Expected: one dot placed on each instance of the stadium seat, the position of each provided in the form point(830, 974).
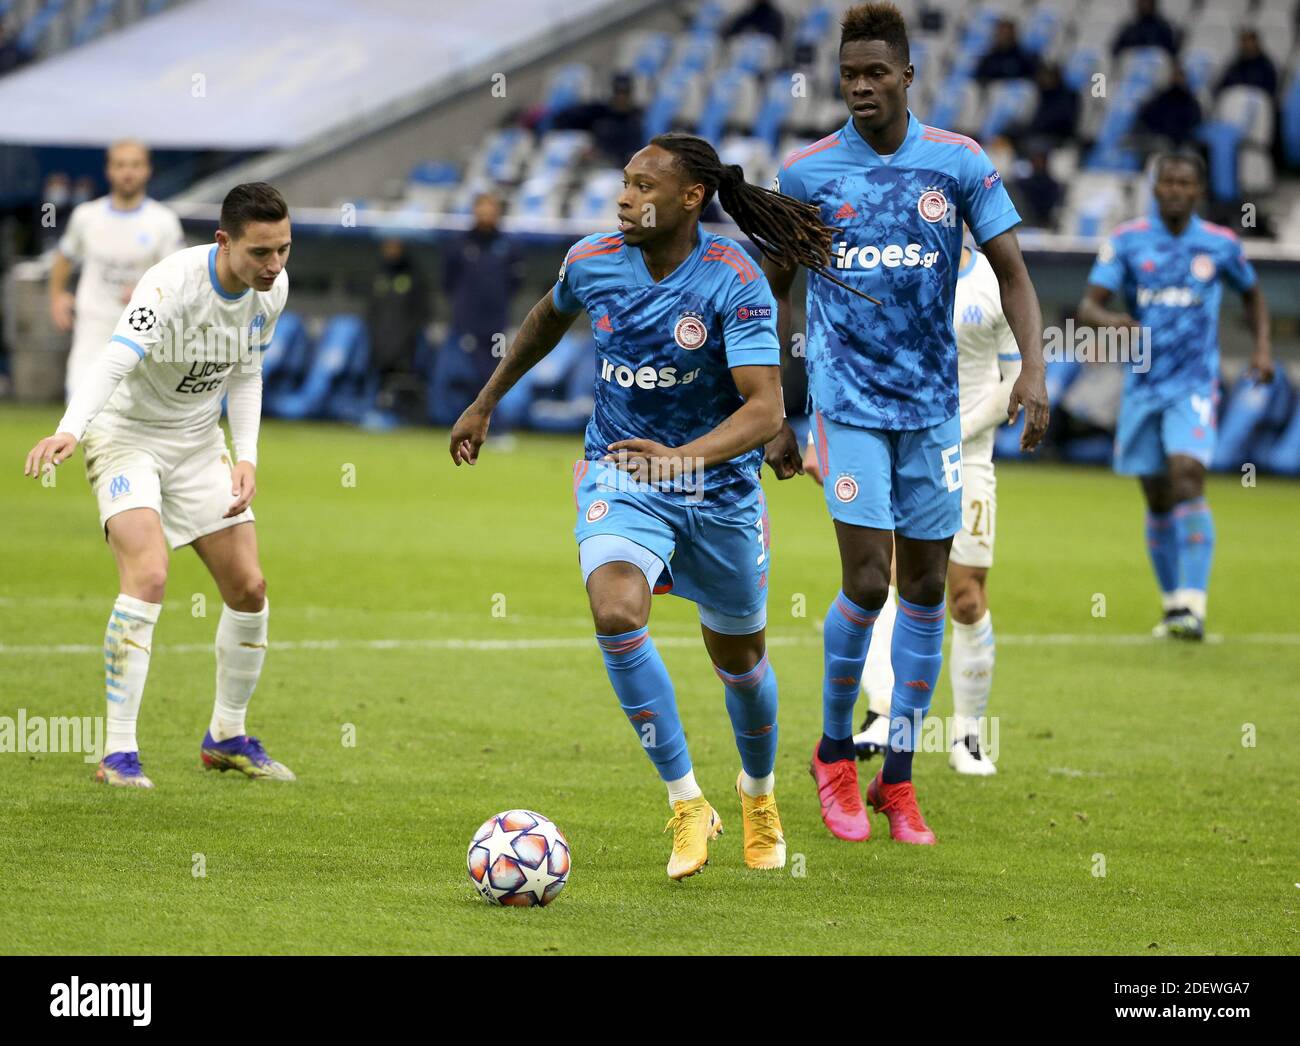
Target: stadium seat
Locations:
point(353, 395)
point(327, 369)
point(1253, 410)
point(560, 385)
point(566, 86)
point(285, 359)
point(1284, 456)
point(596, 197)
point(1010, 102)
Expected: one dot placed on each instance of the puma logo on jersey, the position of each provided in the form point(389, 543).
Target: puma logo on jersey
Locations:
point(891, 256)
point(645, 377)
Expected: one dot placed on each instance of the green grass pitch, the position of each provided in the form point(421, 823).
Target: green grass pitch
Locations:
point(1173, 767)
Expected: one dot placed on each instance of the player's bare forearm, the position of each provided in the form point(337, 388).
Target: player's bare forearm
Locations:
point(781, 280)
point(59, 273)
point(758, 420)
point(1092, 310)
point(540, 332)
point(1025, 318)
point(1256, 309)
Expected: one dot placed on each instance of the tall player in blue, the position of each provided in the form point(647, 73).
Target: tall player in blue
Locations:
point(883, 382)
point(1170, 269)
point(687, 392)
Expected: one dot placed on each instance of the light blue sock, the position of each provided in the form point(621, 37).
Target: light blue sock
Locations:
point(751, 703)
point(1162, 545)
point(846, 636)
point(1195, 529)
point(917, 654)
point(645, 691)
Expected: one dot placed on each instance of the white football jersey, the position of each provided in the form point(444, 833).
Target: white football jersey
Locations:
point(189, 333)
point(983, 337)
point(114, 249)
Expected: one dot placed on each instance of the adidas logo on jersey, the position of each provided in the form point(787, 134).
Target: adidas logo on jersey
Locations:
point(891, 256)
point(844, 212)
point(645, 377)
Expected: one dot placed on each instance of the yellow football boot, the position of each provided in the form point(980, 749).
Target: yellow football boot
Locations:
point(693, 824)
point(764, 843)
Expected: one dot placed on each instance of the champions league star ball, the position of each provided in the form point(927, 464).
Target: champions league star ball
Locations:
point(518, 858)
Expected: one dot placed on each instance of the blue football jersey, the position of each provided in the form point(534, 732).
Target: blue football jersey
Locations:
point(1173, 286)
point(664, 350)
point(899, 220)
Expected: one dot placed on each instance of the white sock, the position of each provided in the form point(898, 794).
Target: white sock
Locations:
point(1169, 601)
point(127, 642)
point(756, 786)
point(1193, 599)
point(241, 649)
point(683, 788)
point(971, 667)
point(878, 673)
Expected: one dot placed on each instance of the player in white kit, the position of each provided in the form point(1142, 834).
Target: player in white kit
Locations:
point(114, 239)
point(148, 413)
point(988, 364)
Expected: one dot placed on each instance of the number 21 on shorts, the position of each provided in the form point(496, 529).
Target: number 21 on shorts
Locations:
point(951, 458)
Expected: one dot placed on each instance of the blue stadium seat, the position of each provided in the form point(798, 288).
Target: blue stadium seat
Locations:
point(1284, 456)
point(354, 393)
point(560, 385)
point(1010, 103)
point(93, 22)
point(1254, 413)
point(29, 39)
point(772, 113)
point(1291, 122)
point(327, 370)
point(285, 359)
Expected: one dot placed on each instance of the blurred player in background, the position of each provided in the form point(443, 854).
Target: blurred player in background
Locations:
point(114, 239)
point(148, 412)
point(884, 388)
point(687, 393)
point(988, 364)
point(1170, 269)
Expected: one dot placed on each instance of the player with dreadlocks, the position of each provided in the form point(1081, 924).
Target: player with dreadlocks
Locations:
point(687, 392)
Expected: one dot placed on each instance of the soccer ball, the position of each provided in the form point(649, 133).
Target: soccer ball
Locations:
point(518, 858)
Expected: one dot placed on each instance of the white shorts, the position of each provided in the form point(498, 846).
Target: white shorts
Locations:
point(184, 479)
point(973, 545)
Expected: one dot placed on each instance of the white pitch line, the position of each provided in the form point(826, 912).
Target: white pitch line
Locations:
point(585, 642)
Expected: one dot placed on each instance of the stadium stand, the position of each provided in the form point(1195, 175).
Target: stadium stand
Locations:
point(758, 96)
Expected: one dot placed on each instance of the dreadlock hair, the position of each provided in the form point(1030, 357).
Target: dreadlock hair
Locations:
point(786, 230)
point(877, 21)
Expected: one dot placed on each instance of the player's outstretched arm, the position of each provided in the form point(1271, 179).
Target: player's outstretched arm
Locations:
point(1020, 304)
point(755, 423)
point(95, 390)
point(61, 300)
point(783, 453)
point(1093, 310)
point(1261, 360)
point(540, 332)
